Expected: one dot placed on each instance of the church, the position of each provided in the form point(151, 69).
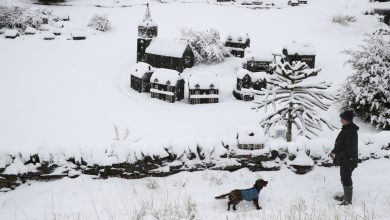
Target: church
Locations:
point(161, 53)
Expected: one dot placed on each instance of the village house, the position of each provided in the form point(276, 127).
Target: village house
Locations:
point(11, 34)
point(384, 14)
point(293, 2)
point(167, 85)
point(140, 75)
point(248, 81)
point(258, 61)
point(237, 44)
point(203, 88)
point(78, 35)
point(30, 31)
point(250, 139)
point(296, 51)
point(161, 53)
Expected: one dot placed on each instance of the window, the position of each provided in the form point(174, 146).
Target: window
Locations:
point(211, 92)
point(196, 101)
point(155, 86)
point(197, 92)
point(169, 98)
point(197, 86)
point(212, 86)
point(211, 100)
point(168, 83)
point(168, 88)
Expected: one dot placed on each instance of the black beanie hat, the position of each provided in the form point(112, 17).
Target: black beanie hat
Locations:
point(347, 115)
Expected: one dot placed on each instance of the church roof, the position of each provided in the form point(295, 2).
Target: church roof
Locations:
point(167, 48)
point(147, 21)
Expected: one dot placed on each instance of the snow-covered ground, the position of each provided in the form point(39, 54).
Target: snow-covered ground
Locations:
point(287, 196)
point(68, 94)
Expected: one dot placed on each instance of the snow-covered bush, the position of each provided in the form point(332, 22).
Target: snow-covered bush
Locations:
point(20, 18)
point(343, 19)
point(206, 45)
point(367, 90)
point(100, 23)
point(294, 101)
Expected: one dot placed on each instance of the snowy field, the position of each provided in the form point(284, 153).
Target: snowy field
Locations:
point(187, 195)
point(65, 96)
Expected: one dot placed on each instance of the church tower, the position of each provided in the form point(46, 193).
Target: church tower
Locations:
point(147, 29)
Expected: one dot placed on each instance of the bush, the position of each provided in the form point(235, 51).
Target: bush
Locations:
point(367, 90)
point(100, 23)
point(344, 19)
point(206, 45)
point(20, 18)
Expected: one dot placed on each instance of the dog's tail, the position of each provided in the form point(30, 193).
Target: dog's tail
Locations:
point(222, 196)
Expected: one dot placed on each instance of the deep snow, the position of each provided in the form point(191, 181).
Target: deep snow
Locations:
point(287, 195)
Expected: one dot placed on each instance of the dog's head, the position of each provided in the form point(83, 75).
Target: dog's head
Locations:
point(260, 183)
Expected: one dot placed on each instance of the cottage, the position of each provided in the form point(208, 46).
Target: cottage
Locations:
point(203, 88)
point(56, 31)
point(161, 53)
point(167, 85)
point(251, 139)
point(30, 31)
point(293, 2)
point(11, 34)
point(140, 77)
point(296, 51)
point(48, 35)
point(248, 81)
point(175, 55)
point(258, 61)
point(302, 2)
point(237, 44)
point(384, 13)
point(78, 35)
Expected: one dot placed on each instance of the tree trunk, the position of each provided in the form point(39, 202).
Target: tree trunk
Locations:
point(289, 124)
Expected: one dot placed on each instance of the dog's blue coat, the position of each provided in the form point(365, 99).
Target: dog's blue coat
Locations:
point(249, 194)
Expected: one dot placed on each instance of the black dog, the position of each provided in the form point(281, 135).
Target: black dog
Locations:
point(251, 194)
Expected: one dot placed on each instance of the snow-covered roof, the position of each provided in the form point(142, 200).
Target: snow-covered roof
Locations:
point(237, 38)
point(255, 76)
point(30, 30)
point(47, 35)
point(302, 159)
point(165, 76)
point(251, 136)
point(139, 69)
point(299, 48)
point(56, 31)
point(165, 47)
point(147, 21)
point(11, 33)
point(203, 80)
point(45, 27)
point(78, 34)
point(259, 55)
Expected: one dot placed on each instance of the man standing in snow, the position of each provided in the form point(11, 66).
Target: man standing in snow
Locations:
point(345, 154)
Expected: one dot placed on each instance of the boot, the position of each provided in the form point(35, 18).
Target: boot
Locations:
point(339, 198)
point(348, 191)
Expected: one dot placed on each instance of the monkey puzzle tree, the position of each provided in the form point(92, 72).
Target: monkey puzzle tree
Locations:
point(294, 102)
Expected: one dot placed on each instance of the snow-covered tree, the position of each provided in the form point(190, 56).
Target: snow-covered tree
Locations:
point(294, 102)
point(206, 45)
point(367, 90)
point(15, 17)
point(100, 23)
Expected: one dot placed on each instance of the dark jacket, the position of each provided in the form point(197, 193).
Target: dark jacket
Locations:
point(346, 146)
